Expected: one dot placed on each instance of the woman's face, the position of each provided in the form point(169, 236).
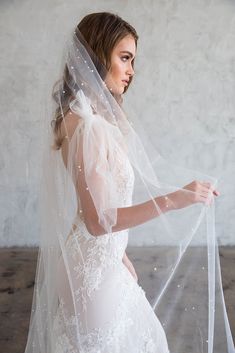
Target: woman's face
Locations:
point(121, 68)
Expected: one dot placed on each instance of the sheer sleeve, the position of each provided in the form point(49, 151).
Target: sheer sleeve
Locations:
point(93, 146)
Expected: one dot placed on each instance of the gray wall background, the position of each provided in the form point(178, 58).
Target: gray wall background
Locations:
point(184, 92)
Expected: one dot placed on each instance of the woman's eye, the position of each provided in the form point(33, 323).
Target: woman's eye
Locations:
point(125, 58)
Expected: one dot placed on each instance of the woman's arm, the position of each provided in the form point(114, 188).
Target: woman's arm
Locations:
point(128, 217)
point(132, 216)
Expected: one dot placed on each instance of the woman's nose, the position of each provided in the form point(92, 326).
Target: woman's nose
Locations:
point(130, 70)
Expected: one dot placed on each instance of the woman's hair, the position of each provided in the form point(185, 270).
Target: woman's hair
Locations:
point(101, 33)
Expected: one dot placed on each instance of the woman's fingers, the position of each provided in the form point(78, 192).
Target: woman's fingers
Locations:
point(205, 192)
point(211, 188)
point(202, 192)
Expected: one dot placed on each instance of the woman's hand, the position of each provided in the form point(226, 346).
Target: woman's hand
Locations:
point(129, 266)
point(198, 192)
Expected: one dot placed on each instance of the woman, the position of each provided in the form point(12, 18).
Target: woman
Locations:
point(86, 297)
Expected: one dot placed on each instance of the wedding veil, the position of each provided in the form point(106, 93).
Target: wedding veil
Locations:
point(184, 284)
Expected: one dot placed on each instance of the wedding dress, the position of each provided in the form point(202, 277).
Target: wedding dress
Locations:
point(111, 308)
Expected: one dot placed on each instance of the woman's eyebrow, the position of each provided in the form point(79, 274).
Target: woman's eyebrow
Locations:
point(128, 52)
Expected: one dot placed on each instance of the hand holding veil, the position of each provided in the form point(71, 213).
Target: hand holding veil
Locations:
point(104, 181)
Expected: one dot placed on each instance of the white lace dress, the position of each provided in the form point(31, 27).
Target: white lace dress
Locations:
point(111, 311)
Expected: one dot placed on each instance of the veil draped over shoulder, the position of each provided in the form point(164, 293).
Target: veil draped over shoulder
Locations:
point(108, 165)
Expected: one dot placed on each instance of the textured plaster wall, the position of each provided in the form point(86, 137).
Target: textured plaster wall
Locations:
point(184, 92)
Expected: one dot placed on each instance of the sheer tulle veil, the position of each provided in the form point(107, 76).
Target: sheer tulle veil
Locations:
point(183, 285)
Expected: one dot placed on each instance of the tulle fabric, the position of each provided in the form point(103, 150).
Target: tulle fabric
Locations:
point(78, 272)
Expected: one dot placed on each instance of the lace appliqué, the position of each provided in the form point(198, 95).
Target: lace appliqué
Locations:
point(112, 337)
point(91, 272)
point(101, 253)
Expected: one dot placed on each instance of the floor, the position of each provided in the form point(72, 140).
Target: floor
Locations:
point(17, 271)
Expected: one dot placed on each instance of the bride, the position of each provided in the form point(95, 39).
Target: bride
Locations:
point(87, 298)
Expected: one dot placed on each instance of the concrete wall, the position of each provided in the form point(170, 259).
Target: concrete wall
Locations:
point(184, 91)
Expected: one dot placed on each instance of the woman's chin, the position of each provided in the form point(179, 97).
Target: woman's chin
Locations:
point(118, 92)
point(121, 91)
